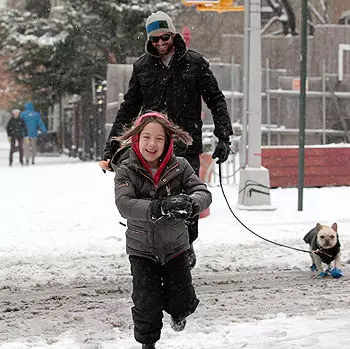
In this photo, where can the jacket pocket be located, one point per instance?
(173, 234)
(136, 239)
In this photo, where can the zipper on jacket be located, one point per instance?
(153, 182)
(166, 173)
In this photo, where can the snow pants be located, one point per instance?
(156, 288)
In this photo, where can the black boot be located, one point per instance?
(177, 325)
(148, 346)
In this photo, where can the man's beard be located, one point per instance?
(167, 51)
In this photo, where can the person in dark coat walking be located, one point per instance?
(173, 79)
(156, 192)
(16, 132)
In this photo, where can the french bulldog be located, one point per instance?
(325, 248)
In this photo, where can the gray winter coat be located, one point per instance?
(163, 239)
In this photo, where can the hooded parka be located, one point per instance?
(146, 236)
(176, 90)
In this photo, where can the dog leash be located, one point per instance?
(259, 236)
(318, 251)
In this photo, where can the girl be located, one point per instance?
(156, 192)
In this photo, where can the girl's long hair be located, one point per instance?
(172, 131)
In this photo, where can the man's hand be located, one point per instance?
(222, 151)
(26, 140)
(105, 165)
(111, 147)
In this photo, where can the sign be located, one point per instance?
(296, 84)
(199, 2)
(215, 5)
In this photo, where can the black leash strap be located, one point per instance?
(259, 236)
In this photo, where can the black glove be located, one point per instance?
(110, 149)
(195, 209)
(177, 206)
(222, 151)
(155, 209)
(172, 207)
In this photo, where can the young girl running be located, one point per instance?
(156, 192)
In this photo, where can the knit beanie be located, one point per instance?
(159, 22)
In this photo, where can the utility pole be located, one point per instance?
(302, 102)
(101, 105)
(254, 184)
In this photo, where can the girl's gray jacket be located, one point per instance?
(161, 239)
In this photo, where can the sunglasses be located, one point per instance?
(164, 38)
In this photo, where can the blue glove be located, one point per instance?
(322, 274)
(313, 267)
(336, 273)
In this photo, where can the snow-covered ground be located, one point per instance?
(65, 281)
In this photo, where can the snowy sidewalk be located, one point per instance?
(65, 278)
(40, 159)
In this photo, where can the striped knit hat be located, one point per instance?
(159, 22)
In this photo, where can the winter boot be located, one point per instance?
(177, 325)
(192, 257)
(148, 346)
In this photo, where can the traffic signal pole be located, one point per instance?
(254, 186)
(302, 102)
(254, 182)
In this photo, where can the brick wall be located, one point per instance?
(324, 166)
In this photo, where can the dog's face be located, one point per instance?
(326, 236)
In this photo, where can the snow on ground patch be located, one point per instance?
(65, 274)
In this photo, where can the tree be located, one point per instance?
(61, 55)
(40, 8)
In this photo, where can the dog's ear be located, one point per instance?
(335, 227)
(318, 226)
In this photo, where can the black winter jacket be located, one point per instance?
(159, 240)
(177, 91)
(16, 128)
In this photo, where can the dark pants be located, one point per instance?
(192, 224)
(20, 149)
(156, 288)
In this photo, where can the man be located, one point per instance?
(16, 131)
(33, 121)
(172, 79)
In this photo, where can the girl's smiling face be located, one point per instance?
(151, 143)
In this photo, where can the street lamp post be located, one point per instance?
(101, 98)
(302, 102)
(254, 185)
